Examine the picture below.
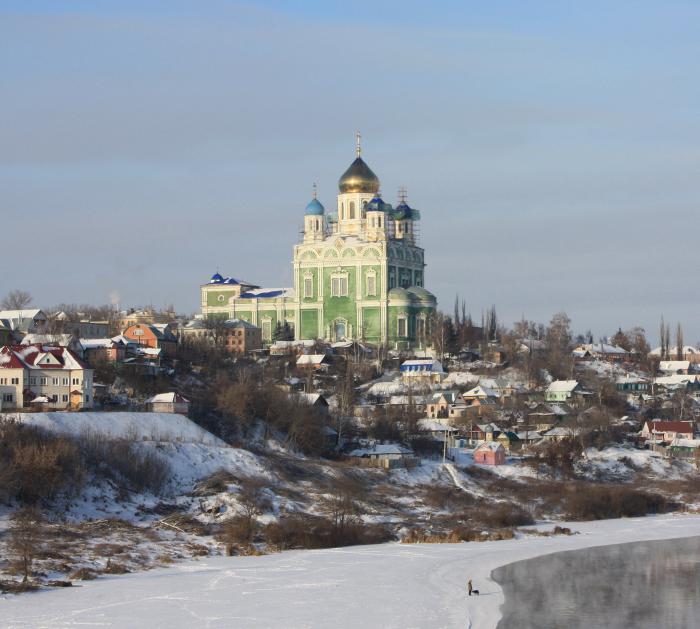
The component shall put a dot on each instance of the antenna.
(358, 147)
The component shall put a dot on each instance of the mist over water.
(637, 585)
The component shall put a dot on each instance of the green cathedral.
(358, 274)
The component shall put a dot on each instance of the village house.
(667, 431)
(676, 382)
(688, 449)
(490, 453)
(387, 456)
(132, 317)
(312, 361)
(509, 440)
(671, 367)
(688, 352)
(561, 390)
(440, 403)
(56, 375)
(153, 335)
(559, 433)
(168, 403)
(21, 322)
(601, 351)
(314, 400)
(96, 351)
(631, 384)
(422, 371)
(291, 348)
(439, 431)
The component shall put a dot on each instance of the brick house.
(490, 453)
(153, 335)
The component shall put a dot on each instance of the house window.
(76, 380)
(371, 285)
(15, 380)
(44, 381)
(339, 285)
(64, 397)
(64, 382)
(401, 326)
(55, 381)
(32, 380)
(308, 286)
(7, 397)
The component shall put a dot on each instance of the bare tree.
(25, 538)
(679, 342)
(16, 300)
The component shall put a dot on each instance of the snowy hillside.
(133, 426)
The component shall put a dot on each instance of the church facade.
(358, 274)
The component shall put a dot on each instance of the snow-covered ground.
(390, 585)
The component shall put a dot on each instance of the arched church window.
(352, 210)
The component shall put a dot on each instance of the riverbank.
(389, 585)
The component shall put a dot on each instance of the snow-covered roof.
(40, 357)
(167, 398)
(490, 445)
(561, 431)
(685, 443)
(97, 343)
(422, 364)
(562, 386)
(311, 359)
(672, 351)
(268, 293)
(480, 391)
(602, 348)
(381, 449)
(676, 380)
(434, 426)
(674, 365)
(28, 313)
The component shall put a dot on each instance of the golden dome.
(358, 178)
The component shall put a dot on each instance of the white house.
(561, 390)
(422, 371)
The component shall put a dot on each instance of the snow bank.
(169, 427)
(389, 585)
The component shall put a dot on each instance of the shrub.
(601, 502)
(36, 465)
(128, 464)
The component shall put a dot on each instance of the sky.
(553, 148)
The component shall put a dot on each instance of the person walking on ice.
(469, 587)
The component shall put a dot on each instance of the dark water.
(626, 586)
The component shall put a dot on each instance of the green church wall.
(309, 324)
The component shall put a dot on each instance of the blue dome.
(402, 210)
(216, 279)
(314, 208)
(376, 205)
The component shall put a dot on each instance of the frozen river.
(641, 585)
(388, 586)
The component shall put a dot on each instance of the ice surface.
(389, 585)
